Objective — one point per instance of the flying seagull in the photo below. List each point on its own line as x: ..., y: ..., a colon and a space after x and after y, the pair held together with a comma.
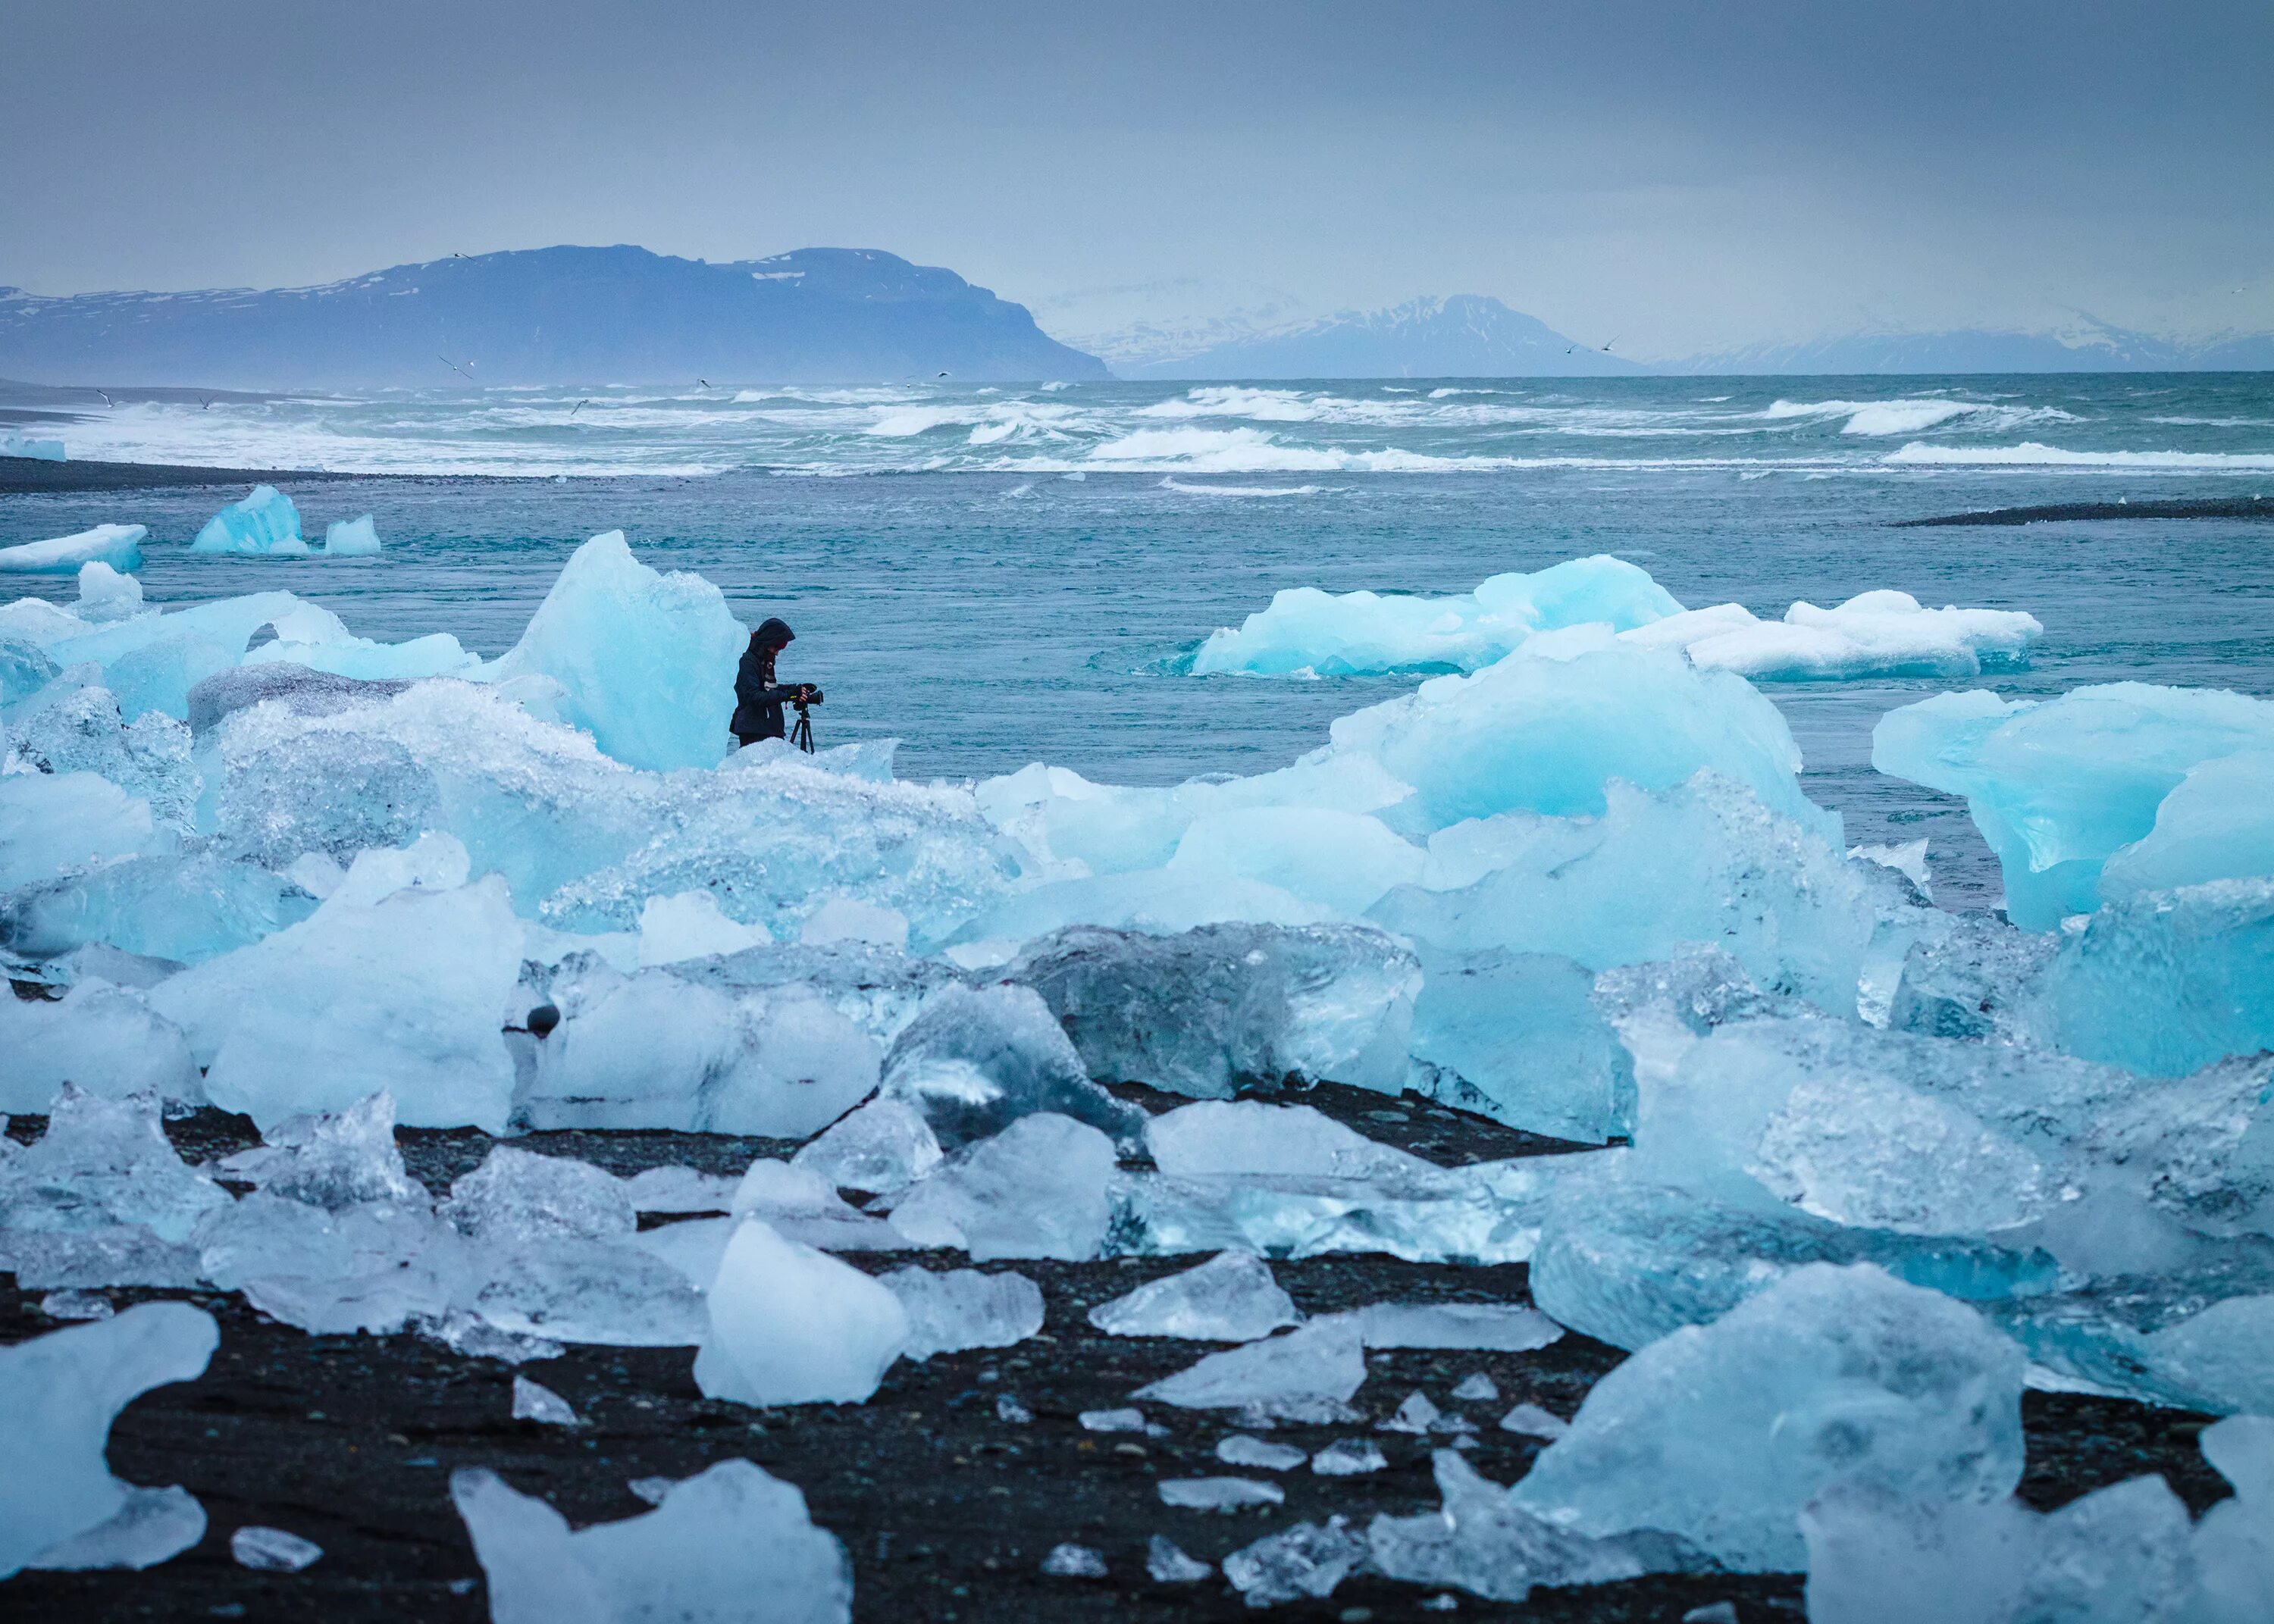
x: 205, y: 404
x: 580, y: 405
x: 706, y: 382
x: 455, y: 367
x: 1606, y: 348
x: 942, y: 374
x: 107, y: 401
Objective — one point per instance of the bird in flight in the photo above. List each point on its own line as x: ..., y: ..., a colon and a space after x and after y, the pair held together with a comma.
x: 107, y: 401
x: 580, y: 405
x: 455, y: 367
x: 205, y: 404
x: 706, y: 382
x: 1606, y: 348
x: 942, y: 374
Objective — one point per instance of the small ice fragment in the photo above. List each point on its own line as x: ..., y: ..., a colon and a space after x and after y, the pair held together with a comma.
x: 651, y: 1489
x: 958, y: 1309
x: 1443, y: 1601
x: 1476, y: 1387
x: 1533, y: 1422
x: 1417, y: 1415
x: 1498, y: 1327
x: 1309, y: 1559
x: 1717, y: 1611
x: 272, y: 1550
x: 1073, y: 1561
x: 1231, y: 1298
x: 532, y: 1401
x: 1307, y: 1374
x: 1165, y: 1564
x: 477, y: 1338
x: 1239, y: 1449
x: 351, y: 538
x: 1113, y: 1420
x: 76, y: 1306
x: 1008, y: 1409
x: 1349, y: 1457
x: 1220, y: 1494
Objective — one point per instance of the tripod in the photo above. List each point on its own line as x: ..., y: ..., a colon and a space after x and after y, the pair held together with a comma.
x: 800, y: 732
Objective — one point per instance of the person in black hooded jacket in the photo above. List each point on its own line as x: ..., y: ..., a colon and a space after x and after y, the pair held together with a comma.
x: 758, y: 698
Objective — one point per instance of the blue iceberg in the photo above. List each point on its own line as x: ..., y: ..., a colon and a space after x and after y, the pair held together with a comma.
x: 264, y: 522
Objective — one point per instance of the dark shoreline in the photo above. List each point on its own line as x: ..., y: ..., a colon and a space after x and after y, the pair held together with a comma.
x: 2185, y: 507
x: 29, y: 476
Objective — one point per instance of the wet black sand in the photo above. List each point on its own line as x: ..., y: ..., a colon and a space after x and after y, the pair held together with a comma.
x: 945, y: 1509
x: 24, y: 475
x: 2190, y: 508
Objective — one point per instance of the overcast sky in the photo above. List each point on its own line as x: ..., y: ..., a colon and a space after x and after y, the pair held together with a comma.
x: 1678, y: 176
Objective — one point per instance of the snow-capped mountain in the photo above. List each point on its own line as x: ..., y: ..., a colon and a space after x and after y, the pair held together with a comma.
x: 1466, y: 335
x: 549, y: 316
x: 2081, y: 345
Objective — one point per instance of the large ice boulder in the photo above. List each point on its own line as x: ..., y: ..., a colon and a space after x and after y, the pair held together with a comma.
x: 975, y: 1060
x: 1042, y: 1188
x: 1882, y: 633
x: 266, y: 522
x: 2060, y: 787
x: 1203, y: 1010
x: 731, y: 1545
x: 117, y: 545
x: 790, y: 1325
x: 58, y: 1395
x: 1722, y: 1433
x: 106, y: 1039
x: 398, y: 981
x: 646, y: 661
x: 1548, y: 732
x: 1309, y: 632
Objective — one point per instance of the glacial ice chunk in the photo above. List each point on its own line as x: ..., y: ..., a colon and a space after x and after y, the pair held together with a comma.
x: 1501, y: 1327
x: 1721, y: 1434
x: 881, y: 1149
x: 1167, y: 1564
x: 106, y: 1039
x: 266, y: 522
x: 973, y: 1061
x: 272, y: 1550
x: 964, y: 1308
x: 1249, y: 1137
x: 2215, y: 825
x: 51, y: 823
x: 154, y: 1525
x: 68, y: 727
x: 516, y: 1196
x: 402, y: 992
x: 116, y: 546
x: 691, y: 925
x: 1229, y: 1298
x: 646, y: 661
x: 333, y: 1160
x: 534, y: 1402
x: 1517, y: 1037
x: 718, y: 1545
x: 2059, y: 786
x: 1042, y: 1188
x: 1310, y: 1559
x: 105, y: 594
x: 1069, y: 1560
x: 1349, y: 1457
x: 1239, y: 1449
x: 1310, y: 1373
x: 1478, y: 1541
x: 1880, y: 634
x: 789, y: 1325
x: 1220, y: 1494
x: 102, y: 1164
x: 1309, y: 632
x: 1200, y: 1011
x: 351, y: 538
x: 58, y: 1395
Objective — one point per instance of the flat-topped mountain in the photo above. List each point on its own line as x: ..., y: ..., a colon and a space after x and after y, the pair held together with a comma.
x: 549, y: 316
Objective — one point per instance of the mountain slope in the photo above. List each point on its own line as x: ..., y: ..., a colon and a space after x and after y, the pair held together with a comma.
x: 2093, y: 347
x: 1468, y: 335
x: 549, y: 316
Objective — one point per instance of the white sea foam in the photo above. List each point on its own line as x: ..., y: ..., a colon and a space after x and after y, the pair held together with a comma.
x: 1174, y: 484
x: 2031, y: 454
x: 1915, y: 414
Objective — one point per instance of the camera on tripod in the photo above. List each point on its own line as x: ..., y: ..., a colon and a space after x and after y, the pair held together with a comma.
x: 800, y: 733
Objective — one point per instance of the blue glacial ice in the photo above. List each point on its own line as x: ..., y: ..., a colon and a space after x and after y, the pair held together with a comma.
x: 2061, y: 788
x: 1308, y: 633
x: 351, y: 538
x: 119, y: 546
x: 16, y: 444
x: 264, y: 521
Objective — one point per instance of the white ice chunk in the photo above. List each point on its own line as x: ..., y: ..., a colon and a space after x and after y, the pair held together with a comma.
x: 351, y: 538
x: 1533, y: 1422
x: 975, y: 1060
x: 1219, y: 1493
x: 58, y: 1393
x: 106, y: 1039
x: 957, y: 1309
x: 102, y: 1164
x: 881, y: 1149
x: 105, y: 594
x: 789, y: 1325
x: 1501, y: 1327
x: 154, y: 1526
x: 717, y: 1544
x: 1166, y: 1564
x: 1349, y: 1457
x: 1882, y: 633
x: 1042, y: 1188
x: 1480, y: 1541
x: 266, y: 522
x: 1113, y: 1421
x: 1721, y: 1433
x: 333, y: 1160
x: 1239, y: 1449
x: 1073, y: 1561
x: 1287, y: 1141
x: 1229, y: 1298
x: 850, y: 919
x: 680, y: 1190
x: 272, y: 1550
x: 1310, y: 1559
x: 53, y: 823
x: 532, y: 1401
x: 646, y: 661
x: 118, y: 547
x: 1308, y: 1374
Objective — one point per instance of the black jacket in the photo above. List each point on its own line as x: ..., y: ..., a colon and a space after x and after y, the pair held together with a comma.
x: 758, y: 699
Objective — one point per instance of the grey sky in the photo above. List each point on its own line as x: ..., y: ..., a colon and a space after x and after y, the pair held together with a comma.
x: 1682, y: 176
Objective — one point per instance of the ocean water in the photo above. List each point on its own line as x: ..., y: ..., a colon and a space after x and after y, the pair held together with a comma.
x: 996, y: 576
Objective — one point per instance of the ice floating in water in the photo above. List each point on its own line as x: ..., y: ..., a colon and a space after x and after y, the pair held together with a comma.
x: 793, y: 1326
x: 950, y: 1311
x: 1308, y: 1374
x: 1881, y: 633
x: 266, y: 522
x: 714, y: 1543
x: 2063, y: 788
x: 350, y: 539
x: 1309, y: 632
x: 118, y: 546
x: 58, y: 1395
x: 1229, y: 1298
x: 645, y: 661
x: 1721, y: 1434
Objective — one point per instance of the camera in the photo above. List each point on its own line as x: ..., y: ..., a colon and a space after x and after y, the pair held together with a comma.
x: 805, y: 694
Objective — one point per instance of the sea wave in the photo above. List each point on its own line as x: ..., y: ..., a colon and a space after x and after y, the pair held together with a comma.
x: 1175, y: 484
x: 2029, y: 453
x: 1915, y: 414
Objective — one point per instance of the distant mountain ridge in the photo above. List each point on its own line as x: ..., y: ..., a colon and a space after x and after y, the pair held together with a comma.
x: 564, y: 315
x: 2092, y: 347
x: 1465, y: 336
